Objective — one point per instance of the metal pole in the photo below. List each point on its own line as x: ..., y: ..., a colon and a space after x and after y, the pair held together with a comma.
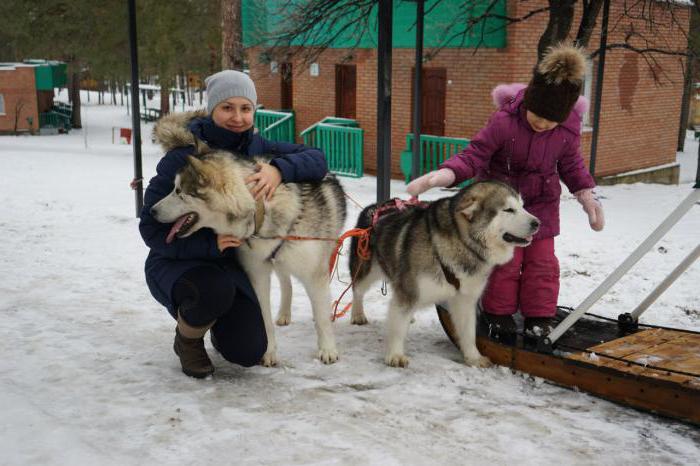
x: 599, y: 86
x: 135, y: 114
x: 417, y: 94
x: 384, y: 47
x: 623, y: 268
x: 668, y: 281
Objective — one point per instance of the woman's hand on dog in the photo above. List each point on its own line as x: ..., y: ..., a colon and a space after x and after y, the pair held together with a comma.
x: 266, y: 180
x: 227, y: 241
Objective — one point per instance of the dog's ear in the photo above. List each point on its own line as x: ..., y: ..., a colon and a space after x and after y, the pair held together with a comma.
x: 469, y: 205
x: 202, y: 174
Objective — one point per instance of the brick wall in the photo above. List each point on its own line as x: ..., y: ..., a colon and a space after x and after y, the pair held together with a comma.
x: 639, y: 119
x: 17, y: 85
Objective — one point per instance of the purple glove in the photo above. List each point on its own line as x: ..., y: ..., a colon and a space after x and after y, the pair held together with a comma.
x: 443, y: 177
x: 592, y: 207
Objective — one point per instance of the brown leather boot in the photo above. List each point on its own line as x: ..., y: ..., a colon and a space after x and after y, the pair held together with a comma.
x: 189, y: 346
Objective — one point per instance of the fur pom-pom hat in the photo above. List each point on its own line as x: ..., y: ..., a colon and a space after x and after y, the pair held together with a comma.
x: 556, y: 83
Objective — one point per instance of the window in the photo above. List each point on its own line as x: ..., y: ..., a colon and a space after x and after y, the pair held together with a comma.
x: 2, y: 104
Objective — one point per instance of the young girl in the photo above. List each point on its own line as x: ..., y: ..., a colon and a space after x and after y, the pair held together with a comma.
x: 198, y: 278
x: 531, y: 143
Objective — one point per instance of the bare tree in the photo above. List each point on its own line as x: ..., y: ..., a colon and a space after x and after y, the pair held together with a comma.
x: 18, y: 110
x: 322, y: 22
x: 232, y: 54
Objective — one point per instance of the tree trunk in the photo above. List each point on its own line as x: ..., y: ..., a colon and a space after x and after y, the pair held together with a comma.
x: 591, y: 9
x: 685, y: 102
x: 164, y: 103
x: 231, y: 43
x: 561, y: 17
x: 74, y: 91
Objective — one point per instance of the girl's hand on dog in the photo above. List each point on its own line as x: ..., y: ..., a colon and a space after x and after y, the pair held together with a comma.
x: 443, y: 177
x: 227, y: 241
x: 266, y: 181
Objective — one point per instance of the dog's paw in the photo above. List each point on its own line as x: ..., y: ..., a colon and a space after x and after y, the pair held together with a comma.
x: 283, y: 319
x: 269, y: 359
x: 328, y: 355
x: 478, y: 361
x: 359, y: 319
x: 396, y: 360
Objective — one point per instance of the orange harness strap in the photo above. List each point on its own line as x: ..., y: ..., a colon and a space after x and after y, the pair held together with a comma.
x: 363, y: 253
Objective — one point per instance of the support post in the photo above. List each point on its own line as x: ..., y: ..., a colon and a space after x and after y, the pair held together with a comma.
x: 137, y: 184
x: 384, y: 52
x: 599, y: 86
x: 417, y: 90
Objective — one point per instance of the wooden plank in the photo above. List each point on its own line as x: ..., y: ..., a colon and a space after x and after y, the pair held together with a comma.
x: 673, y: 350
x: 621, y: 347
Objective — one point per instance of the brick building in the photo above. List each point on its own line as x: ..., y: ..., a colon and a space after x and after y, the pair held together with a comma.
x: 640, y: 106
x: 26, y: 95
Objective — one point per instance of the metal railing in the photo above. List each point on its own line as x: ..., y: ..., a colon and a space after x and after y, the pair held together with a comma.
x: 275, y: 126
x: 433, y: 151
x: 54, y: 120
x: 63, y: 108
x: 342, y: 140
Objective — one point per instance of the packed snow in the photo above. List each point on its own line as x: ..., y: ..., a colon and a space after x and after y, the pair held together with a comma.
x: 89, y: 375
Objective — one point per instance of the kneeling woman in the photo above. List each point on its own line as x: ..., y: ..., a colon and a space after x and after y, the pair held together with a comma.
x: 198, y: 278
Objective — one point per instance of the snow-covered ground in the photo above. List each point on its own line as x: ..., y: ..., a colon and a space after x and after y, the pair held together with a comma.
x: 89, y: 376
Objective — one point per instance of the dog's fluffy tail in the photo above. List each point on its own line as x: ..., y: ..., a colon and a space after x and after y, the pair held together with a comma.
x: 364, y: 220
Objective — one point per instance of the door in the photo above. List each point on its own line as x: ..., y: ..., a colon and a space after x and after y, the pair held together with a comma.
x: 433, y: 90
x: 345, y: 91
x: 286, y: 87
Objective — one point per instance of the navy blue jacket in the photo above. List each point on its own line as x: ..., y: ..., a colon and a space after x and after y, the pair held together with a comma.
x: 167, y: 262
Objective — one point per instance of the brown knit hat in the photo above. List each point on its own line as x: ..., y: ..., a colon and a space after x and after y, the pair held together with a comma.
x: 556, y: 83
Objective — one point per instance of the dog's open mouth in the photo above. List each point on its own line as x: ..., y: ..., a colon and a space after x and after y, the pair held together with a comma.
x: 508, y: 238
x: 181, y: 226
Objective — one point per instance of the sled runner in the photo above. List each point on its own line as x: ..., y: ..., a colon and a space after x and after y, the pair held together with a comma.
x: 643, y: 366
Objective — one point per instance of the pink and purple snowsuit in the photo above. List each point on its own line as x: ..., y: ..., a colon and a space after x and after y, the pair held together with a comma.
x: 509, y: 150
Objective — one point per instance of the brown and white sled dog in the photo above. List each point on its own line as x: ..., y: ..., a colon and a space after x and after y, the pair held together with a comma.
x: 210, y: 192
x: 440, y: 253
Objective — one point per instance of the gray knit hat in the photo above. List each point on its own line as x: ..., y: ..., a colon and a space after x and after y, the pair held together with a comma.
x: 226, y: 84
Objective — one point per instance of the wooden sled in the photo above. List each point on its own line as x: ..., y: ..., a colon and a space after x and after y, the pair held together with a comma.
x: 644, y: 366
x: 649, y: 368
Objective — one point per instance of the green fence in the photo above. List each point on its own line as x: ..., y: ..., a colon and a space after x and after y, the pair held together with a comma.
x: 433, y: 151
x: 54, y: 120
x: 63, y: 108
x: 341, y: 140
x: 275, y: 126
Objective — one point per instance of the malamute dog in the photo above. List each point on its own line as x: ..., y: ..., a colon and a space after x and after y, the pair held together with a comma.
x: 210, y: 192
x: 442, y: 252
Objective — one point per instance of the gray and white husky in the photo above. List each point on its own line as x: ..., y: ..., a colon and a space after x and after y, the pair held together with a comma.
x: 440, y: 253
x: 210, y: 191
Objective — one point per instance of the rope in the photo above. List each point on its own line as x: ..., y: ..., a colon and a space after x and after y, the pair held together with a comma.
x: 363, y: 253
x: 357, y: 204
